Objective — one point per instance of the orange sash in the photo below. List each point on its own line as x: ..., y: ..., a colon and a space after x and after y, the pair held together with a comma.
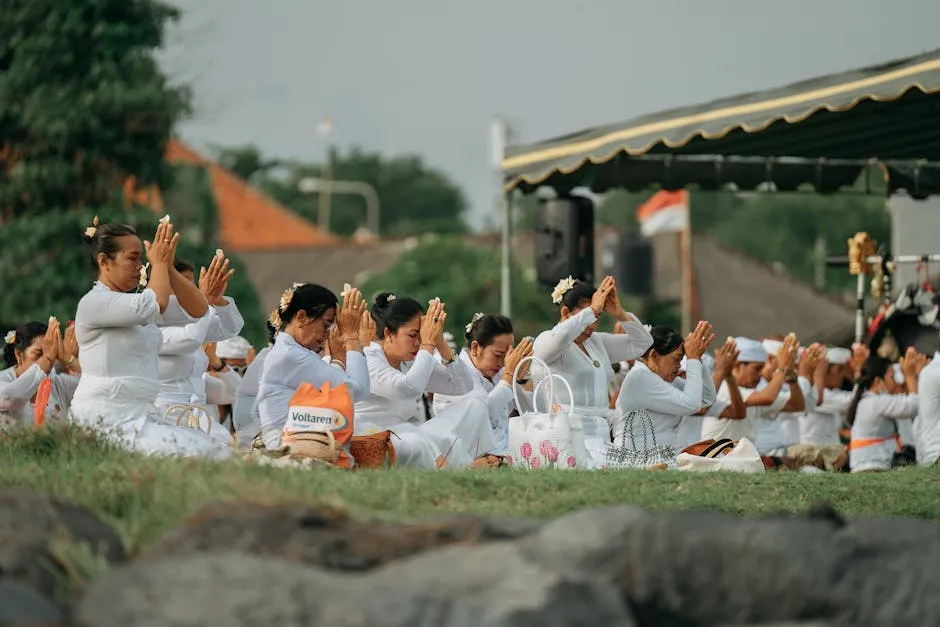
x: 856, y: 444
x: 43, y: 394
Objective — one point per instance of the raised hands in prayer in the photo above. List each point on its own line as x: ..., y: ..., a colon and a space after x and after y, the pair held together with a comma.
x: 366, y: 327
x: 522, y: 350
x: 786, y: 356
x: 696, y: 343
x: 602, y: 295
x: 810, y: 360
x: 912, y: 363
x: 69, y: 351
x: 612, y: 306
x: 349, y: 319
x: 162, y: 251
x: 725, y: 358
x: 213, y: 281
x: 432, y: 326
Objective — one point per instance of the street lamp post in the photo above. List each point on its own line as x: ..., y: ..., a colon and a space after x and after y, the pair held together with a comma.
x: 310, y: 185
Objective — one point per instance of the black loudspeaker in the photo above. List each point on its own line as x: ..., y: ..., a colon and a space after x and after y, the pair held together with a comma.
x: 564, y: 240
x: 633, y: 266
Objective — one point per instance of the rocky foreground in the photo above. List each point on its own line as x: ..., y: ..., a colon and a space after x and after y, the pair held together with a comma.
x: 237, y: 564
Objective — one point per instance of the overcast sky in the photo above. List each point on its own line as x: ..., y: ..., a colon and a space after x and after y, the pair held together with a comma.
x: 426, y: 76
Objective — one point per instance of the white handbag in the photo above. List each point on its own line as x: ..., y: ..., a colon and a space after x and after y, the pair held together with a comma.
x: 542, y: 440
x: 742, y: 458
x: 575, y: 420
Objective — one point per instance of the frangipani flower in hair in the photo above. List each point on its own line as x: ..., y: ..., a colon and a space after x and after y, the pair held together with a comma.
x: 563, y: 287
x: 10, y: 337
x: 476, y: 317
x: 93, y: 229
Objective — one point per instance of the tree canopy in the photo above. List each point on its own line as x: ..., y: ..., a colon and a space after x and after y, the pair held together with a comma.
x: 83, y: 103
x: 414, y: 197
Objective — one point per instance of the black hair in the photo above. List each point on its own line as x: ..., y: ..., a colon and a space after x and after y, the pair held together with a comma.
x: 484, y: 329
x: 182, y: 265
x: 105, y: 239
x: 272, y: 332
x: 665, y: 340
x: 874, y: 368
x: 392, y: 313
x: 314, y: 300
x: 581, y: 292
x: 25, y: 335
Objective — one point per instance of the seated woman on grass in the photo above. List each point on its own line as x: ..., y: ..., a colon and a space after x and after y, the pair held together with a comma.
x: 31, y: 353
x: 492, y: 359
x: 874, y: 412
x: 119, y: 341
x: 304, y: 319
x: 402, y: 367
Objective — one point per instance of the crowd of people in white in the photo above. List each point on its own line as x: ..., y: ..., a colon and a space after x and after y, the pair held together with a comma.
x: 154, y: 360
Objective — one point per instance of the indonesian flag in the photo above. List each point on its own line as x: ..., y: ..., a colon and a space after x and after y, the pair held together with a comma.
x: 665, y: 212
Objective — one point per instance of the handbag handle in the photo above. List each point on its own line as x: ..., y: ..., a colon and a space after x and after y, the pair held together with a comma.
x: 551, y: 383
x: 538, y: 386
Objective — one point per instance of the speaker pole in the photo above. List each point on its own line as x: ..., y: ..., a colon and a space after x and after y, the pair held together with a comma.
x: 498, y: 136
x: 685, y: 248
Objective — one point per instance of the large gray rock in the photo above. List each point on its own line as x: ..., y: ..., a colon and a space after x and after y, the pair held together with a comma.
x: 324, y: 537
x: 30, y: 521
x: 493, y: 585
x: 20, y: 604
x: 224, y: 589
x: 709, y: 568
x: 489, y: 585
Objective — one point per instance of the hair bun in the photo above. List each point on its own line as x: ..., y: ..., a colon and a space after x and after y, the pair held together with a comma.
x: 384, y: 299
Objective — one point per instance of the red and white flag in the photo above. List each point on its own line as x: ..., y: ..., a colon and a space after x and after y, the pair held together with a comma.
x: 665, y: 212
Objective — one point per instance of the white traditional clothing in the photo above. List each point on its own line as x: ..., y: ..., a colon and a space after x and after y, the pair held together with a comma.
x: 589, y: 373
x: 777, y: 431
x: 927, y: 426
x: 17, y: 392
x: 119, y: 340
x: 245, y: 416
x: 286, y: 368
x: 716, y: 428
x: 875, y: 437
x: 499, y: 400
x: 820, y: 425
x: 666, y: 403
x: 183, y: 362
x: 460, y: 432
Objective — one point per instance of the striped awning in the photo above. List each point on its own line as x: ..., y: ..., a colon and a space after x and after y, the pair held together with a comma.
x: 888, y: 112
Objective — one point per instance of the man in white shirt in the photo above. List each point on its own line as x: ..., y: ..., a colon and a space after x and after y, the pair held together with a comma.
x: 927, y: 423
x: 763, y: 403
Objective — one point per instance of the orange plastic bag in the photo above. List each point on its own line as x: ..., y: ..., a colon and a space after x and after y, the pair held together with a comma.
x: 327, y: 410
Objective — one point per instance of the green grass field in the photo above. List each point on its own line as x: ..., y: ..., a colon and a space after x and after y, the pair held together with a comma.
x: 143, y: 497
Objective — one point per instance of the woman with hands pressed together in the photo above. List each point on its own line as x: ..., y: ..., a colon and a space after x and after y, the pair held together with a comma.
x: 403, y: 366
x: 574, y: 350
x: 654, y: 385
x: 30, y: 388
x: 303, y: 320
x: 874, y: 415
x: 493, y: 359
x: 119, y: 342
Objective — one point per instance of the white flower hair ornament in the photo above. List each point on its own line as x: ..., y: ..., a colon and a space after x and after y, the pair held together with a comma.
x: 10, y: 337
x: 562, y: 288
x: 648, y: 327
x: 91, y: 231
x: 286, y: 297
x: 476, y: 317
x: 390, y: 298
